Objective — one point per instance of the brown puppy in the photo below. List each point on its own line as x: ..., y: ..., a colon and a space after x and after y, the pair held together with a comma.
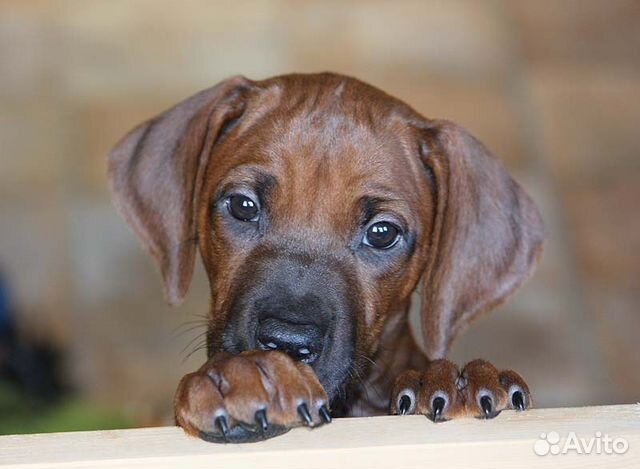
x: 318, y: 203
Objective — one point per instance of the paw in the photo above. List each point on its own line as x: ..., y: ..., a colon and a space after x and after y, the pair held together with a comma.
x: 442, y: 392
x: 249, y: 397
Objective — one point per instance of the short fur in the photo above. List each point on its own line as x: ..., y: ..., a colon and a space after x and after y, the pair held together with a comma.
x: 325, y: 154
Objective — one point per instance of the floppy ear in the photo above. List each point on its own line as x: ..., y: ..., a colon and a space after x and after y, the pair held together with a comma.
x: 156, y: 171
x: 486, y: 234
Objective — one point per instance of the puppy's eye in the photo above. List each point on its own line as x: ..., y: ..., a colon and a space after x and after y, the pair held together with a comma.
x: 243, y: 208
x: 382, y: 235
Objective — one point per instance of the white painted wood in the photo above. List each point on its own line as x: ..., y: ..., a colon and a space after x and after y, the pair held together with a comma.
x: 378, y: 442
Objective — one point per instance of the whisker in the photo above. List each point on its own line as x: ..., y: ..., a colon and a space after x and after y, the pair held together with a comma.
x: 194, y: 339
x: 186, y: 331
x: 201, y: 346
x: 188, y: 323
x: 356, y: 366
x: 369, y: 360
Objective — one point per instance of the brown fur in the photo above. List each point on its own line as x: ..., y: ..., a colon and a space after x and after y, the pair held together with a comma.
x: 328, y: 141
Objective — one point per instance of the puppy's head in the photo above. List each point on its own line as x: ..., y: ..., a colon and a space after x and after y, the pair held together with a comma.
x: 317, y: 203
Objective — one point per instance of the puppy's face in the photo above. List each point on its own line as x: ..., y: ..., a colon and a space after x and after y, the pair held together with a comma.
x: 309, y: 227
x: 317, y: 203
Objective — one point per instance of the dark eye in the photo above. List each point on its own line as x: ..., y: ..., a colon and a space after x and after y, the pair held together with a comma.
x: 243, y: 208
x: 382, y: 235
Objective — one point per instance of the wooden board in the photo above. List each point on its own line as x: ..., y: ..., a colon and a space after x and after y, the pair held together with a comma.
x: 389, y: 442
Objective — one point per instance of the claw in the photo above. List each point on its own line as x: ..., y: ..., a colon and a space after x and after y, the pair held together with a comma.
x: 437, y: 407
x: 404, y: 405
x: 517, y: 399
x: 223, y: 426
x: 487, y: 405
x: 261, y: 419
x: 324, y: 414
x: 303, y: 410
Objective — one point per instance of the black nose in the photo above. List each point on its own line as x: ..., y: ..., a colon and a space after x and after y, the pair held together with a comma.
x: 302, y: 342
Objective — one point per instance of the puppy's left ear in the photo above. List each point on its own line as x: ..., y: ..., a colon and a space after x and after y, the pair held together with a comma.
x: 156, y: 172
x: 486, y: 233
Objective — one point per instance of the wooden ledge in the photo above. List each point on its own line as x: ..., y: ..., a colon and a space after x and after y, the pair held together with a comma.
x: 389, y: 442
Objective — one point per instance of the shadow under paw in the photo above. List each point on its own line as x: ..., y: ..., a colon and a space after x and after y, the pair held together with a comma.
x: 244, y: 434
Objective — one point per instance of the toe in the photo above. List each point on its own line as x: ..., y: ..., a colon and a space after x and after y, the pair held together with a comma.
x: 200, y: 406
x: 484, y: 395
x: 438, y: 396
x: 241, y: 384
x: 296, y: 395
x: 519, y: 396
x: 403, y: 397
x: 318, y: 401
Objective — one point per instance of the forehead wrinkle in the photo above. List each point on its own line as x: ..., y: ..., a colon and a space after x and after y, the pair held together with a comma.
x: 308, y: 196
x: 326, y: 118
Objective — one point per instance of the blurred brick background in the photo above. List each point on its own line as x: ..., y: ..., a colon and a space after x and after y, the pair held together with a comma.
x: 553, y: 87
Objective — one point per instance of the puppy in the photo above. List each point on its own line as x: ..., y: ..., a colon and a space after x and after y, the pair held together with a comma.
x: 318, y: 204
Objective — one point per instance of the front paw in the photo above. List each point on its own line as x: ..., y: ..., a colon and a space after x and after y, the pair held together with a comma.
x: 249, y: 397
x: 442, y: 392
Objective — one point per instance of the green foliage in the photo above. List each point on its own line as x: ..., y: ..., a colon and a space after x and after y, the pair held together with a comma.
x: 20, y: 415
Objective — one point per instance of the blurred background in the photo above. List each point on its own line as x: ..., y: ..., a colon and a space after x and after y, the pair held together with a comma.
x: 553, y: 87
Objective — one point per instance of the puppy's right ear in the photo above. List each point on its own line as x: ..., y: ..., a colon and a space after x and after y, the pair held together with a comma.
x: 156, y: 173
x: 487, y: 234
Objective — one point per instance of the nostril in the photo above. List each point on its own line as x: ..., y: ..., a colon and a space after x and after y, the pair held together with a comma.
x: 302, y: 342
